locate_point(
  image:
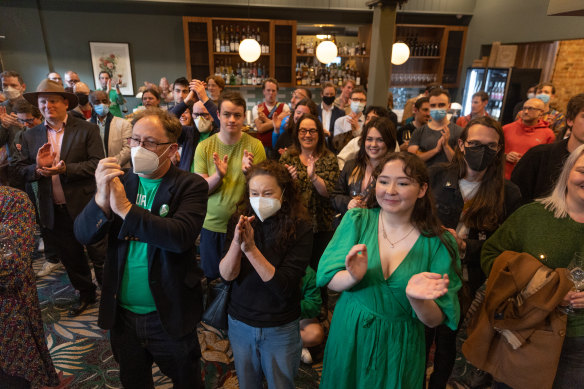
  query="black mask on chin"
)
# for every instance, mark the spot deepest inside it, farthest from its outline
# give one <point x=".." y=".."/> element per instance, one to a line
<point x="479" y="158"/>
<point x="83" y="98"/>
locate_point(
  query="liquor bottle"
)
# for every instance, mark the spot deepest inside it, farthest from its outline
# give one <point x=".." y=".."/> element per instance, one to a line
<point x="310" y="49"/>
<point x="237" y="40"/>
<point x="258" y="35"/>
<point x="302" y="46"/>
<point x="217" y="40"/>
<point x="357" y="49"/>
<point x="363" y="49"/>
<point x="232" y="43"/>
<point x="358" y="78"/>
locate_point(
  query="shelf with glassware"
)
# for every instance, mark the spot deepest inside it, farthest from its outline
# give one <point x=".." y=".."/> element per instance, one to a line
<point x="212" y="47"/>
<point x="436" y="54"/>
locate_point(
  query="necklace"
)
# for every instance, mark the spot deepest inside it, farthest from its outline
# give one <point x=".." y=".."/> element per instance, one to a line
<point x="385" y="235"/>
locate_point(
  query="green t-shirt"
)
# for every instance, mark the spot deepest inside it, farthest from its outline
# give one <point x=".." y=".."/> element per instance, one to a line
<point x="115" y="102"/>
<point x="202" y="137"/>
<point x="222" y="202"/>
<point x="135" y="294"/>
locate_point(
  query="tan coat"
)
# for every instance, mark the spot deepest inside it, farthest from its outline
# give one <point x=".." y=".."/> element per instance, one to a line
<point x="518" y="334"/>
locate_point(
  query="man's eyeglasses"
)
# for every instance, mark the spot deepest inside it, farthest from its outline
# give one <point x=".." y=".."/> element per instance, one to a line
<point x="531" y="109"/>
<point x="493" y="145"/>
<point x="148" y="145"/>
<point x="359" y="100"/>
<point x="26" y="121"/>
<point x="305" y="131"/>
<point x="205" y="115"/>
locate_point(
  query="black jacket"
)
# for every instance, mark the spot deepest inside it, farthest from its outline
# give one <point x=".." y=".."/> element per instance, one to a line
<point x="537" y="171"/>
<point x="81" y="150"/>
<point x="449" y="205"/>
<point x="173" y="274"/>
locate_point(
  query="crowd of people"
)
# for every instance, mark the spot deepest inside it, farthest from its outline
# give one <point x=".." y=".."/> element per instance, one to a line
<point x="409" y="223"/>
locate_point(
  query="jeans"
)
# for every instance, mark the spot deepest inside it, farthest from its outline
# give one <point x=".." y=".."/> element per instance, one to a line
<point x="272" y="352"/>
<point x="570" y="372"/>
<point x="138" y="340"/>
<point x="211" y="252"/>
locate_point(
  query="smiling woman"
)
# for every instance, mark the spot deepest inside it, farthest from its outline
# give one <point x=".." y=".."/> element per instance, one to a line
<point x="398" y="271"/>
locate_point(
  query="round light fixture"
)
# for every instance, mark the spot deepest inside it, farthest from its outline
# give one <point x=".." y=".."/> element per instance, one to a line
<point x="249" y="50"/>
<point x="326" y="52"/>
<point x="400" y="52"/>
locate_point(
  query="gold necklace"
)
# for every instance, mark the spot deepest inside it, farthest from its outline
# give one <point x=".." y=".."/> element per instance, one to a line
<point x="385" y="235"/>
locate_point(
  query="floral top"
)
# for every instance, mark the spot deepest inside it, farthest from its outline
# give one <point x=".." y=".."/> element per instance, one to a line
<point x="319" y="207"/>
<point x="23" y="351"/>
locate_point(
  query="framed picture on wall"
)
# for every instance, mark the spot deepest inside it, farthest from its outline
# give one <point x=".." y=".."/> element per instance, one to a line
<point x="115" y="59"/>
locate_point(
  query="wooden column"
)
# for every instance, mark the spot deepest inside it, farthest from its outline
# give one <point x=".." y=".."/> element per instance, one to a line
<point x="382" y="37"/>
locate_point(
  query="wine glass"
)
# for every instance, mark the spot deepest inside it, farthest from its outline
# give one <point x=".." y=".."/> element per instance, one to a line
<point x="576" y="275"/>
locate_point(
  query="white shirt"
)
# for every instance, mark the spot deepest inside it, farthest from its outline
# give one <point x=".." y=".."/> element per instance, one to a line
<point x="326" y="117"/>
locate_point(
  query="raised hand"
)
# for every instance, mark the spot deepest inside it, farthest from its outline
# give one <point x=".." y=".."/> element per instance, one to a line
<point x="310" y="167"/>
<point x="427" y="286"/>
<point x="292" y="170"/>
<point x="119" y="203"/>
<point x="354" y="121"/>
<point x="355" y="202"/>
<point x="198" y="87"/>
<point x="246" y="161"/>
<point x="277" y="120"/>
<point x="8" y="120"/>
<point x="513" y="157"/>
<point x="45" y="156"/>
<point x="59" y="168"/>
<point x="356" y="262"/>
<point x="220" y="164"/>
<point x="247" y="234"/>
<point x="106" y="170"/>
<point x="445" y="135"/>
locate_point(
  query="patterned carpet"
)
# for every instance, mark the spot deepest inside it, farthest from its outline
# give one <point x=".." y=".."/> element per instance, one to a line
<point x="82" y="355"/>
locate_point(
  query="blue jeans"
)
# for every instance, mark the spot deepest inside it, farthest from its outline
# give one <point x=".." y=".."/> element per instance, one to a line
<point x="272" y="352"/>
<point x="211" y="252"/>
<point x="570" y="372"/>
<point x="138" y="340"/>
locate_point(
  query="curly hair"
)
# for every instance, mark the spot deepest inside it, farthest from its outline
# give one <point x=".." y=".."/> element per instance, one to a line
<point x="292" y="210"/>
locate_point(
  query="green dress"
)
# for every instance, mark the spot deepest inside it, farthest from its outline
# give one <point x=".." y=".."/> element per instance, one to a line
<point x="375" y="339"/>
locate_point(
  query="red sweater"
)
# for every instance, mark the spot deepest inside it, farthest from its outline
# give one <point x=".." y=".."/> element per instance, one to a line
<point x="520" y="138"/>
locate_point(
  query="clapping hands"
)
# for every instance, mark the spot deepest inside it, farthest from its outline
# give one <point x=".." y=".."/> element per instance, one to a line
<point x="244" y="235"/>
<point x="427" y="286"/>
<point x="356" y="262"/>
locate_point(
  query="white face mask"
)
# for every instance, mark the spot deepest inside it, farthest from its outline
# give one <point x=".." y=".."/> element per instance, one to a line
<point x="264" y="207"/>
<point x="203" y="125"/>
<point x="357" y="106"/>
<point x="145" y="161"/>
<point x="11" y="93"/>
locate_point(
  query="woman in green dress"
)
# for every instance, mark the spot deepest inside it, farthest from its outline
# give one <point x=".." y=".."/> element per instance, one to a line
<point x="399" y="271"/>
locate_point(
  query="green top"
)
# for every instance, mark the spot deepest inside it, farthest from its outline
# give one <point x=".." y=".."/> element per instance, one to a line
<point x="135" y="294"/>
<point x="222" y="202"/>
<point x="115" y="102"/>
<point x="311" y="300"/>
<point x="534" y="230"/>
<point x="376" y="339"/>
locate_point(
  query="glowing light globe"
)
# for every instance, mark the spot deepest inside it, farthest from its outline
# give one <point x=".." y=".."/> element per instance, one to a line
<point x="249" y="50"/>
<point x="400" y="53"/>
<point x="326" y="52"/>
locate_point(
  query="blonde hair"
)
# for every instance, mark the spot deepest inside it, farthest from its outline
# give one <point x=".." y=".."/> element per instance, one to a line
<point x="556" y="201"/>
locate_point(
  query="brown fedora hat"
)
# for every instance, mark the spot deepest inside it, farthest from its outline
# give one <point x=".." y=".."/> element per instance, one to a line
<point x="51" y="87"/>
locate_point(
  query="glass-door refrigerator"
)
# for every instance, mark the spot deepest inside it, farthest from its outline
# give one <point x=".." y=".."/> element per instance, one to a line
<point x="506" y="87"/>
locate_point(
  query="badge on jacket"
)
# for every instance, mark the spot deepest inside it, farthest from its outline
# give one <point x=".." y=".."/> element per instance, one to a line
<point x="163" y="210"/>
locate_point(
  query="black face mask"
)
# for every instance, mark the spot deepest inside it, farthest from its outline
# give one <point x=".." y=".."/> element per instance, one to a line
<point x="328" y="100"/>
<point x="479" y="158"/>
<point x="83" y="98"/>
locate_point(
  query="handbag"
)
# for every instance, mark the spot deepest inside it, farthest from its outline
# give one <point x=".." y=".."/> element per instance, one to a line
<point x="216" y="313"/>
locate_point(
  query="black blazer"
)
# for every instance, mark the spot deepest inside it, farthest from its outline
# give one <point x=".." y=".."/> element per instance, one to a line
<point x="173" y="276"/>
<point x="449" y="206"/>
<point x="81" y="149"/>
<point x="337" y="113"/>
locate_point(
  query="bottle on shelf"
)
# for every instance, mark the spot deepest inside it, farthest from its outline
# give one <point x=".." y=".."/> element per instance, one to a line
<point x="302" y="46"/>
<point x="217" y="39"/>
<point x="363" y="49"/>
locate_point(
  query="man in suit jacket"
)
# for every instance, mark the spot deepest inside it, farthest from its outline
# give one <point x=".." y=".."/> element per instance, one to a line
<point x="114" y="131"/>
<point x="151" y="299"/>
<point x="328" y="113"/>
<point x="62" y="154"/>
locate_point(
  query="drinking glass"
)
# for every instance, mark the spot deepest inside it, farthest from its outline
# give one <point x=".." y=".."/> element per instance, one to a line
<point x="576" y="275"/>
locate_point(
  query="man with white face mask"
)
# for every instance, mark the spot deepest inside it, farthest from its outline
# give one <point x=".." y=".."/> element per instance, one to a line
<point x="114" y="130"/>
<point x="151" y="299"/>
<point x="349" y="126"/>
<point x="436" y="140"/>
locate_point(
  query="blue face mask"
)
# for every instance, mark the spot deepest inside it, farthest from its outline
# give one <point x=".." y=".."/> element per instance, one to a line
<point x="438" y="114"/>
<point x="543" y="97"/>
<point x="101" y="109"/>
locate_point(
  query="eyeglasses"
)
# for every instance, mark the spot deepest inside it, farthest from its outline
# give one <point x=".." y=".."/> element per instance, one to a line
<point x="148" y="145"/>
<point x="26" y="121"/>
<point x="493" y="145"/>
<point x="304" y="131"/>
<point x="205" y="115"/>
<point x="358" y="100"/>
<point x="531" y="109"/>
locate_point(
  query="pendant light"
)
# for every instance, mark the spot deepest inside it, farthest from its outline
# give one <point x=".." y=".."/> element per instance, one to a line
<point x="249" y="48"/>
<point x="326" y="51"/>
<point x="400" y="52"/>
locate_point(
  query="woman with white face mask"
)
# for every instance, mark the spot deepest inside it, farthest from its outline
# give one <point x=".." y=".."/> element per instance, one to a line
<point x="271" y="242"/>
